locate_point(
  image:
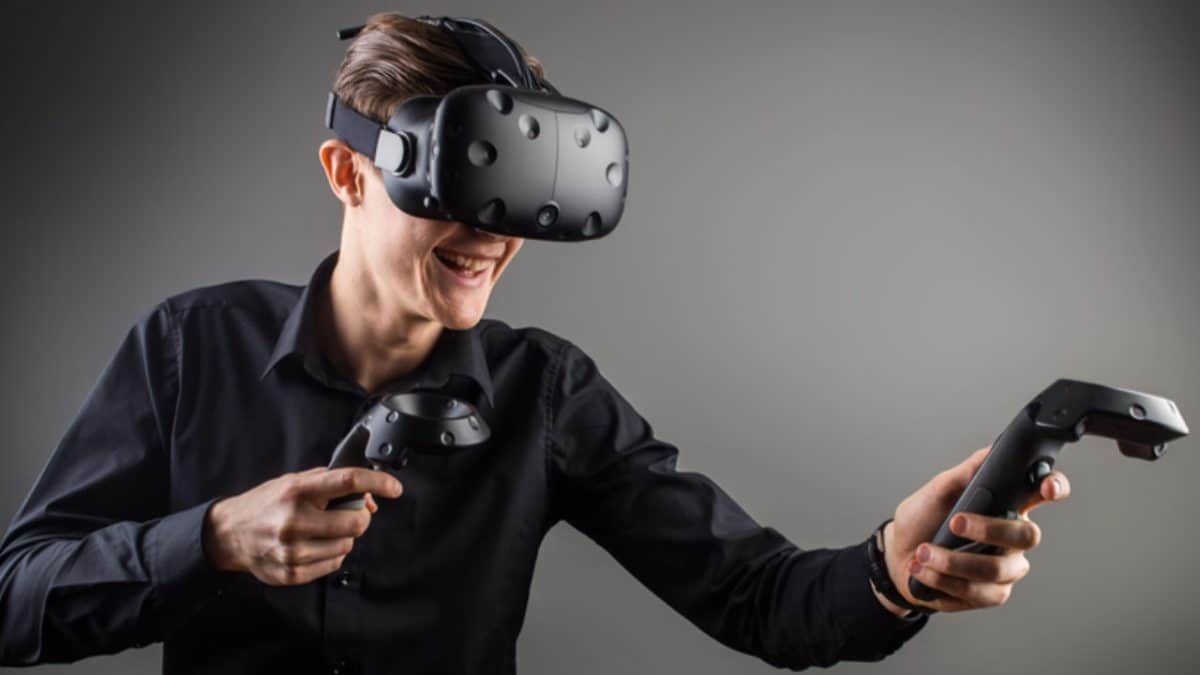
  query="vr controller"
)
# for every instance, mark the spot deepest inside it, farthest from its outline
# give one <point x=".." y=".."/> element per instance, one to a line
<point x="400" y="424"/>
<point x="1024" y="453"/>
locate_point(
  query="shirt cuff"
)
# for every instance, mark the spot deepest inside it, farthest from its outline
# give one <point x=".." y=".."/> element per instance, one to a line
<point x="872" y="631"/>
<point x="183" y="577"/>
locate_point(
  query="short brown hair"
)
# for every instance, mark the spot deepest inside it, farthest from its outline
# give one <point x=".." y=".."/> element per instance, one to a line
<point x="395" y="57"/>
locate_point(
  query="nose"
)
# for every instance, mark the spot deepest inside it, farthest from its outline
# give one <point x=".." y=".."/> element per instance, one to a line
<point x="484" y="234"/>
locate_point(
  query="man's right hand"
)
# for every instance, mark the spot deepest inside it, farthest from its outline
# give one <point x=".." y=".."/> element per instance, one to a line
<point x="280" y="531"/>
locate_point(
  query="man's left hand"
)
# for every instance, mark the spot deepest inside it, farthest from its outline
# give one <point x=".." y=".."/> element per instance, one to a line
<point x="969" y="580"/>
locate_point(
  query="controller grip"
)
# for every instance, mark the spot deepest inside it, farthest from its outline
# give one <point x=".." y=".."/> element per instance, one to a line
<point x="351" y="451"/>
<point x="1010" y="475"/>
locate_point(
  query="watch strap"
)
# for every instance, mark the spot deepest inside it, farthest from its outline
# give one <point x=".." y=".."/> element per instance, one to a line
<point x="882" y="580"/>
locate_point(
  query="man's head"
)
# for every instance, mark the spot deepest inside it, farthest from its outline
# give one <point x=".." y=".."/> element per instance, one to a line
<point x="392" y="59"/>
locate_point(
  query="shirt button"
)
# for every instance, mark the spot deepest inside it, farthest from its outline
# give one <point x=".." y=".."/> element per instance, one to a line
<point x="343" y="579"/>
<point x="342" y="668"/>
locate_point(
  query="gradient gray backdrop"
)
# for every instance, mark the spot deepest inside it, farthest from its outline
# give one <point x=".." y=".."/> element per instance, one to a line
<point x="858" y="238"/>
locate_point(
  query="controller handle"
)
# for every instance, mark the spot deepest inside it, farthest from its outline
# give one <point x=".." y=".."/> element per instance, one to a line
<point x="415" y="421"/>
<point x="1024" y="453"/>
<point x="351" y="451"/>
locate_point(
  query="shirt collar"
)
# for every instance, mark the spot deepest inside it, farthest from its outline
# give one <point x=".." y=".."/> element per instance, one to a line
<point x="456" y="354"/>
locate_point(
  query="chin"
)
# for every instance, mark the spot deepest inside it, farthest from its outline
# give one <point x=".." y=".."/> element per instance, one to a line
<point x="462" y="321"/>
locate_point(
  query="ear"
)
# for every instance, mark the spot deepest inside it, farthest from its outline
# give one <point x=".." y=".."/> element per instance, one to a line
<point x="342" y="170"/>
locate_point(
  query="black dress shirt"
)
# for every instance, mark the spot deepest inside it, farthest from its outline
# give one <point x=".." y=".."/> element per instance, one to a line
<point x="220" y="388"/>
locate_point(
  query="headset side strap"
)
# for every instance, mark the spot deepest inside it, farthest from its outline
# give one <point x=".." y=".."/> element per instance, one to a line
<point x="359" y="132"/>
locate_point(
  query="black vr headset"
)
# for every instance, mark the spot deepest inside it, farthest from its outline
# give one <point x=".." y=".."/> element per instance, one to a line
<point x="512" y="157"/>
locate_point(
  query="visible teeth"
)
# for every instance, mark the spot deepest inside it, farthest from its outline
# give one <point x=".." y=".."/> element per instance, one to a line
<point x="472" y="264"/>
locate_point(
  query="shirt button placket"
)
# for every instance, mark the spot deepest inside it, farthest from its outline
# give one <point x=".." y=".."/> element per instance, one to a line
<point x="341" y="608"/>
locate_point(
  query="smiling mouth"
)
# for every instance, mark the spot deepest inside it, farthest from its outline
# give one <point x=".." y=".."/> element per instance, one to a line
<point x="465" y="267"/>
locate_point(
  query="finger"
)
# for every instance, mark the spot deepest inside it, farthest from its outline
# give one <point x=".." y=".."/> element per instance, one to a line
<point x="333" y="524"/>
<point x="1003" y="569"/>
<point x="972" y="593"/>
<point x="309" y="551"/>
<point x="1054" y="488"/>
<point x="286" y="575"/>
<point x="1020" y="534"/>
<point x="371" y="505"/>
<point x="956" y="478"/>
<point x="348" y="480"/>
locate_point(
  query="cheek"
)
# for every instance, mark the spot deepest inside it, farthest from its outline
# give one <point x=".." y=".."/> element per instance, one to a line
<point x="403" y="247"/>
<point x="390" y="251"/>
<point x="512" y="254"/>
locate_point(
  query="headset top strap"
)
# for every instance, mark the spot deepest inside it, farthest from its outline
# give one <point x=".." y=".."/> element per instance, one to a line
<point x="493" y="54"/>
<point x="496" y="56"/>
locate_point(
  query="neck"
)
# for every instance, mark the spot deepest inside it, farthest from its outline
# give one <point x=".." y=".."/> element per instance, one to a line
<point x="365" y="331"/>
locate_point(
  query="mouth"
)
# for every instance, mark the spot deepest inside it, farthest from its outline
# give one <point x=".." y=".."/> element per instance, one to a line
<point x="471" y="271"/>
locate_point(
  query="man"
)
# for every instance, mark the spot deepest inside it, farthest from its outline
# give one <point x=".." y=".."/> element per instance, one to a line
<point x="186" y="501"/>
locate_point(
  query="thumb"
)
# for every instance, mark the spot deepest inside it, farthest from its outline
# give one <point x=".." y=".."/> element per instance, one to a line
<point x="957" y="477"/>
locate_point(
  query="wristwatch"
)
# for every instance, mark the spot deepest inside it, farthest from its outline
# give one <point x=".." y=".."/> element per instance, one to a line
<point x="877" y="563"/>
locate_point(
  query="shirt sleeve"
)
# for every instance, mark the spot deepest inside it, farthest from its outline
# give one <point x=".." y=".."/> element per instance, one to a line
<point x="687" y="541"/>
<point x="93" y="562"/>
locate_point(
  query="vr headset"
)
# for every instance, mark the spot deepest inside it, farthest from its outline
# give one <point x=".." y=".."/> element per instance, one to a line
<point x="512" y="156"/>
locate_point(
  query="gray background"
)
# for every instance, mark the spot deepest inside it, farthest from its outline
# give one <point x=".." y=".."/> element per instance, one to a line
<point x="858" y="238"/>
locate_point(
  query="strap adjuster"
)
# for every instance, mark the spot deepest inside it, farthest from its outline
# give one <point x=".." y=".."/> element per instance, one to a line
<point x="393" y="152"/>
